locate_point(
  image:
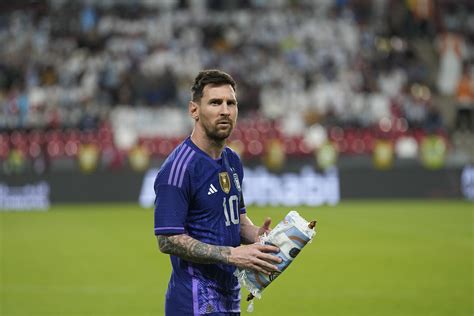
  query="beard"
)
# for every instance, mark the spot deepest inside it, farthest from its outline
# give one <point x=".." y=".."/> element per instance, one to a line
<point x="217" y="133"/>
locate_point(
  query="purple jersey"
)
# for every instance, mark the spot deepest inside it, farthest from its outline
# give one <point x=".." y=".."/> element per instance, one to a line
<point x="201" y="197"/>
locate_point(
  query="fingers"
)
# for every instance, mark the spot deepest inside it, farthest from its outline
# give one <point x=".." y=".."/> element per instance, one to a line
<point x="267" y="248"/>
<point x="264" y="260"/>
<point x="272" y="258"/>
<point x="264" y="267"/>
<point x="266" y="223"/>
<point x="256" y="257"/>
<point x="265" y="228"/>
<point x="259" y="269"/>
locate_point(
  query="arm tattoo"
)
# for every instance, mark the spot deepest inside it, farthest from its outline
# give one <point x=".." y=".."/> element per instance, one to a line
<point x="193" y="250"/>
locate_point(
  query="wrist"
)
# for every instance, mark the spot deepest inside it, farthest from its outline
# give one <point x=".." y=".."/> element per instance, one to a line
<point x="228" y="255"/>
<point x="258" y="232"/>
<point x="231" y="256"/>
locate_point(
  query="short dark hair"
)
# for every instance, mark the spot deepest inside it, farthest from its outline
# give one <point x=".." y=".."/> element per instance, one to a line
<point x="210" y="76"/>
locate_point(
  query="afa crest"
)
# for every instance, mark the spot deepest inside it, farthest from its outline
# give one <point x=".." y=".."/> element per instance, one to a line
<point x="224" y="181"/>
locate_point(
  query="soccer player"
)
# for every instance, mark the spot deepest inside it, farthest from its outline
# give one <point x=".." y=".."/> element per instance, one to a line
<point x="200" y="215"/>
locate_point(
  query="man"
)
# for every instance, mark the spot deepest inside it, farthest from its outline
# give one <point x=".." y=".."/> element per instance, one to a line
<point x="200" y="215"/>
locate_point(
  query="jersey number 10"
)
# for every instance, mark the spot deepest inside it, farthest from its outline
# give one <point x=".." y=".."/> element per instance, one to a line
<point x="232" y="213"/>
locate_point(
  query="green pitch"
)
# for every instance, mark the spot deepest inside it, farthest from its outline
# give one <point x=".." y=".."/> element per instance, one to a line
<point x="368" y="258"/>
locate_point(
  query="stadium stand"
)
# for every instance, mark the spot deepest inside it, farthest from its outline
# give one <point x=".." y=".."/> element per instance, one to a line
<point x="117" y="73"/>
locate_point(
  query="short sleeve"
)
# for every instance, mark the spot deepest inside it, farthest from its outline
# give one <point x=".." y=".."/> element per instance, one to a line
<point x="171" y="207"/>
<point x="242" y="207"/>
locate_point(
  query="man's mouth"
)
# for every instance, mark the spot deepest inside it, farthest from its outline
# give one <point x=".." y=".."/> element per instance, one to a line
<point x="224" y="123"/>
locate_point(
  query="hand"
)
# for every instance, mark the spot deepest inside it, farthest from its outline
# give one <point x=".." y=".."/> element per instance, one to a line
<point x="265" y="228"/>
<point x="255" y="257"/>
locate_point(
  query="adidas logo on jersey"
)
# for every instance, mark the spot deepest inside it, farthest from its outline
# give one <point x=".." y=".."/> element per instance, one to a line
<point x="212" y="190"/>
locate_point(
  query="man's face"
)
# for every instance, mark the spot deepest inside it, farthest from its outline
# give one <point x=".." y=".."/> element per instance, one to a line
<point x="217" y="111"/>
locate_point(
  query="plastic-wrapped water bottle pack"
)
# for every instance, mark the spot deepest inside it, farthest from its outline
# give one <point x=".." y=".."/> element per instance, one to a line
<point x="290" y="236"/>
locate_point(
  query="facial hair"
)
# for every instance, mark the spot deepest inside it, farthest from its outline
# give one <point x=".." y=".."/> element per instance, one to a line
<point x="216" y="134"/>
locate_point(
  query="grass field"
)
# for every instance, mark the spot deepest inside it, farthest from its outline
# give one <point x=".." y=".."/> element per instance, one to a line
<point x="368" y="258"/>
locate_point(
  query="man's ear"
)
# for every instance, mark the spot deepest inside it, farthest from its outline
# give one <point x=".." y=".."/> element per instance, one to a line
<point x="193" y="110"/>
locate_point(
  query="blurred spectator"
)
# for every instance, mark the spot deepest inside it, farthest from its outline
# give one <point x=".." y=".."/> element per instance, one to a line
<point x="433" y="122"/>
<point x="452" y="51"/>
<point x="465" y="100"/>
<point x="422" y="12"/>
<point x="88" y="18"/>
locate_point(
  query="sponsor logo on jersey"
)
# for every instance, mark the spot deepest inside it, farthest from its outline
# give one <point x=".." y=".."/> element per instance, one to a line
<point x="212" y="189"/>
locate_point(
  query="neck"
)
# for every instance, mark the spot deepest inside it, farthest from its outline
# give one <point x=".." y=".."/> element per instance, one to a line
<point x="210" y="146"/>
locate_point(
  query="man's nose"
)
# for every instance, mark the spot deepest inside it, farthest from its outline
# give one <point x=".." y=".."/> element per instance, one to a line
<point x="225" y="109"/>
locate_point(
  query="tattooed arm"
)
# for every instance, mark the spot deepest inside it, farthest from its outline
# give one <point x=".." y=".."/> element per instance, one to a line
<point x="191" y="249"/>
<point x="255" y="257"/>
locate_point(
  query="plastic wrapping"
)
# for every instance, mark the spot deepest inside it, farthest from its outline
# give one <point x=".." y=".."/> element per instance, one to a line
<point x="290" y="235"/>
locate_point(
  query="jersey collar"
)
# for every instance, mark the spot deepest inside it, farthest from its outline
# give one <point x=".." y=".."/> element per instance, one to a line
<point x="216" y="162"/>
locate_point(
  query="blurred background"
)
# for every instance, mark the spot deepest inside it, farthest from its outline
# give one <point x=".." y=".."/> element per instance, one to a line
<point x="102" y="87"/>
<point x="356" y="113"/>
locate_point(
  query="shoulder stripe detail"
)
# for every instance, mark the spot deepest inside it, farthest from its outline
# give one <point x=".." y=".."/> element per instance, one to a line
<point x="175" y="162"/>
<point x="181" y="176"/>
<point x="180" y="165"/>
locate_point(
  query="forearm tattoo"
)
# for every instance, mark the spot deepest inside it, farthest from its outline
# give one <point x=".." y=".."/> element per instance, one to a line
<point x="193" y="250"/>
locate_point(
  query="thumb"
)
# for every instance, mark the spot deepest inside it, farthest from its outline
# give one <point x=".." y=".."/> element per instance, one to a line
<point x="265" y="228"/>
<point x="266" y="223"/>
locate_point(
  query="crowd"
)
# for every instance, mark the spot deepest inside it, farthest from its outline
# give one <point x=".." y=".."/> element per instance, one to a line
<point x="351" y="64"/>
